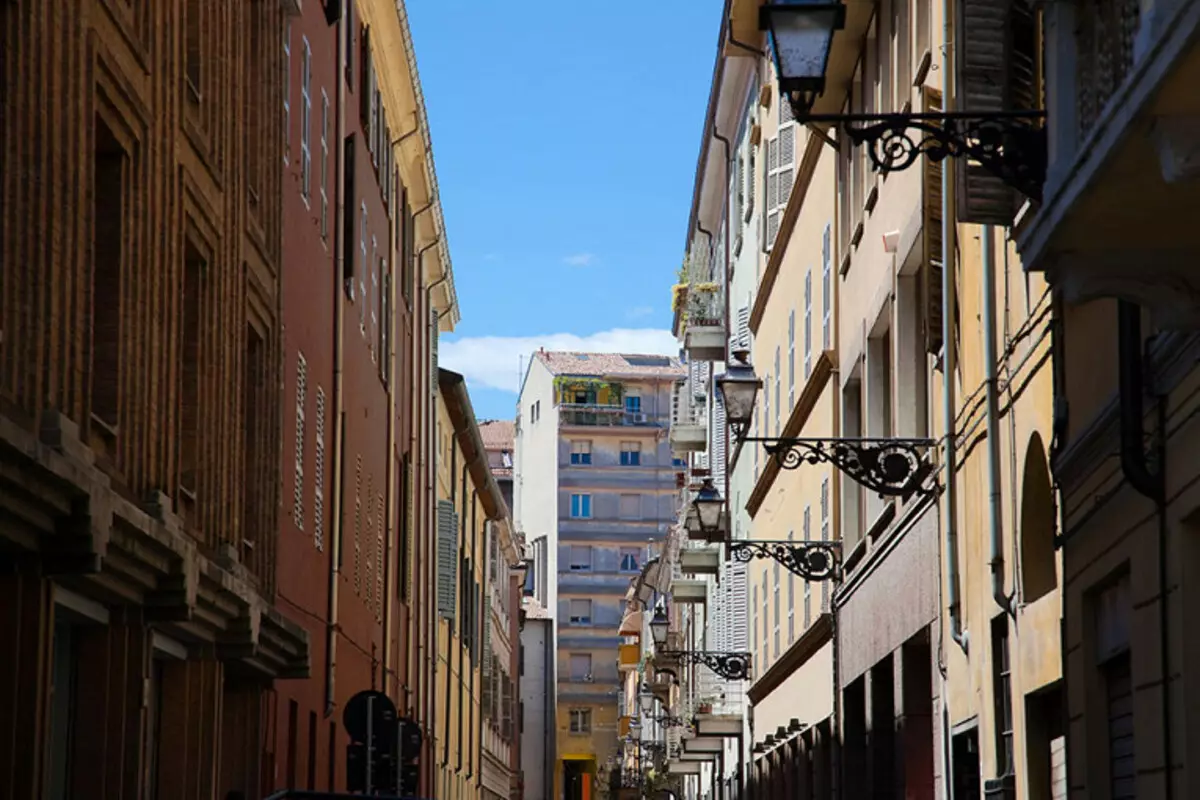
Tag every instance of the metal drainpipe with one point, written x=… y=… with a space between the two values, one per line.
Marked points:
x=949 y=354
x=335 y=564
x=1145 y=482
x=995 y=513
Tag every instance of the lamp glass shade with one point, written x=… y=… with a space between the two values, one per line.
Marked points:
x=658 y=627
x=801 y=34
x=708 y=505
x=739 y=387
x=691 y=520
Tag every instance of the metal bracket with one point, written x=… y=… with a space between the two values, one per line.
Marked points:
x=890 y=467
x=1011 y=145
x=811 y=560
x=730 y=666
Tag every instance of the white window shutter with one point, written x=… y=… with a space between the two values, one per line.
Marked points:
x=719 y=433
x=447 y=559
x=743 y=327
x=739 y=608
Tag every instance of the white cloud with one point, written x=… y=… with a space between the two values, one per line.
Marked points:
x=580 y=259
x=495 y=362
x=637 y=312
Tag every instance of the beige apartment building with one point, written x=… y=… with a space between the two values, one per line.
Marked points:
x=933 y=662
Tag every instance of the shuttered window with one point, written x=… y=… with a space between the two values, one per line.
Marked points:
x=825 y=538
x=324 y=170
x=742 y=340
x=780 y=174
x=931 y=269
x=1119 y=699
x=791 y=367
x=720 y=434
x=447 y=559
x=997 y=71
x=827 y=287
x=319 y=473
x=298 y=456
x=807 y=324
x=305 y=119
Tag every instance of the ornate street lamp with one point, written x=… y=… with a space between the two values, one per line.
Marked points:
x=800 y=35
x=891 y=467
x=708 y=506
x=1009 y=144
x=659 y=626
x=739 y=387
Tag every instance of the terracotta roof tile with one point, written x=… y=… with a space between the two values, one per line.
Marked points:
x=497 y=434
x=628 y=365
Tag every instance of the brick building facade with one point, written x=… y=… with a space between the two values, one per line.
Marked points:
x=139 y=398
x=223 y=275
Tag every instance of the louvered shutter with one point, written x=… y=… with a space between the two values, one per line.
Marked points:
x=771 y=219
x=787 y=161
x=719 y=433
x=931 y=270
x=995 y=73
x=743 y=327
x=827 y=288
x=739 y=608
x=447 y=559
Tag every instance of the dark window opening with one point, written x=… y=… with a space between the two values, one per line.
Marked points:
x=965 y=763
x=1002 y=695
x=194 y=268
x=108 y=204
x=254 y=437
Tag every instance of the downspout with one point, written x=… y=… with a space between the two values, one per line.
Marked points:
x=339 y=412
x=949 y=354
x=389 y=575
x=995 y=512
x=949 y=311
x=1146 y=483
x=725 y=291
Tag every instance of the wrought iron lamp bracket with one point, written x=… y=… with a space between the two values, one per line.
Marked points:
x=890 y=467
x=730 y=666
x=811 y=560
x=1011 y=145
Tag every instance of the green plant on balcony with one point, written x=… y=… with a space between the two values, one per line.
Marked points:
x=599 y=392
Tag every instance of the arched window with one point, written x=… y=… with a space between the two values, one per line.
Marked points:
x=1037 y=524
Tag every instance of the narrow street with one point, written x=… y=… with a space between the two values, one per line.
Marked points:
x=365 y=430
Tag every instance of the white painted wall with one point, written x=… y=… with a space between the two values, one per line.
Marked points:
x=537 y=738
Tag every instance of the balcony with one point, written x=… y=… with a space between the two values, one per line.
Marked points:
x=598 y=415
x=703 y=322
x=689 y=591
x=700 y=560
x=1123 y=179
x=689 y=428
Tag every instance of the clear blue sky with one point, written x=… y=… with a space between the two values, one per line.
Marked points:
x=565 y=136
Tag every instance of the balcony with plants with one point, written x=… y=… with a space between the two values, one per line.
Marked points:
x=698 y=303
x=596 y=402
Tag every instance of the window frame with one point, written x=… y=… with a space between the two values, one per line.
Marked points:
x=581 y=505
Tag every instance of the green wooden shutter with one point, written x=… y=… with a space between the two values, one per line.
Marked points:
x=447 y=559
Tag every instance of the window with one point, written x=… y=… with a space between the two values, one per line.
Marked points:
x=775 y=606
x=324 y=171
x=305 y=119
x=581 y=506
x=791 y=598
x=581 y=614
x=807 y=324
x=779 y=176
x=581 y=666
x=827 y=288
x=581 y=453
x=630 y=559
x=581 y=558
x=678 y=462
x=631 y=454
x=1002 y=695
x=630 y=506
x=537 y=410
x=194 y=33
x=385 y=316
x=195 y=271
x=108 y=203
x=754 y=619
x=633 y=403
x=287 y=89
x=301 y=403
x=581 y=720
x=778 y=404
x=792 y=359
